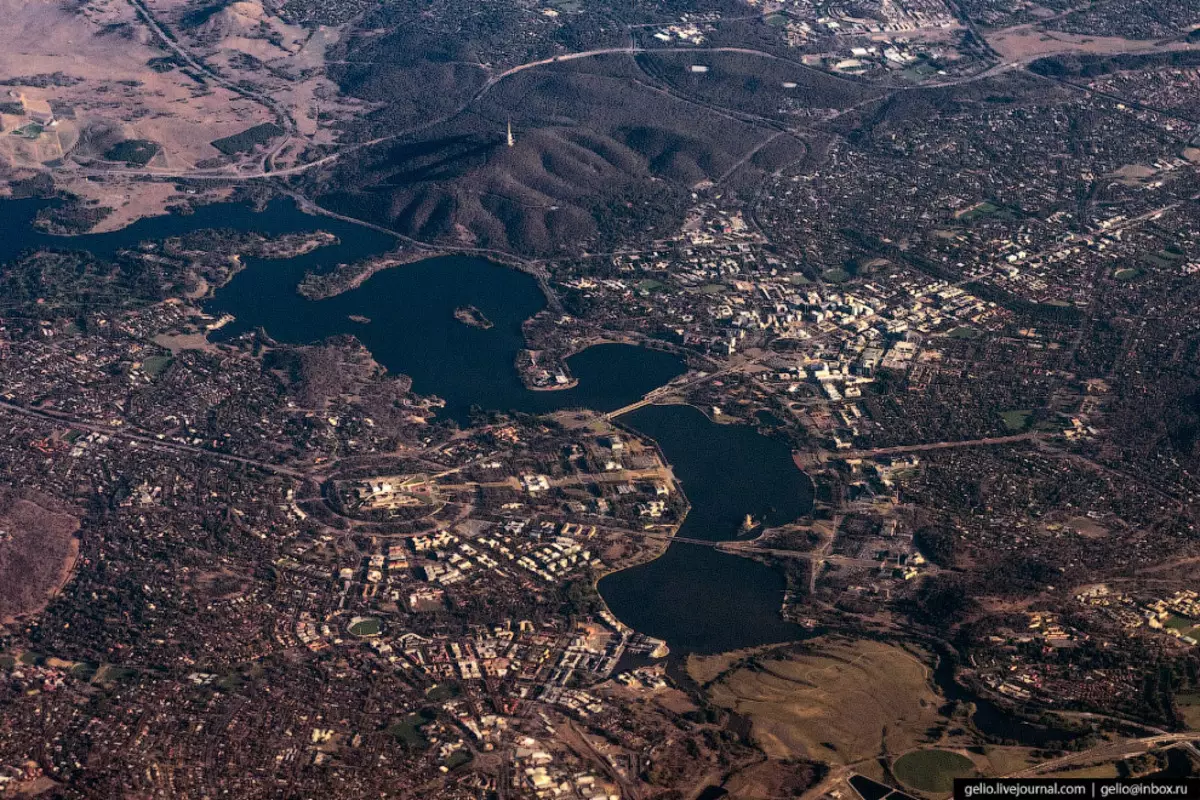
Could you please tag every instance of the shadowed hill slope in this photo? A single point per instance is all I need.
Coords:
(601, 153)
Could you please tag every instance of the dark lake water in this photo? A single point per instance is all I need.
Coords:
(413, 331)
(694, 597)
(411, 308)
(281, 216)
(697, 598)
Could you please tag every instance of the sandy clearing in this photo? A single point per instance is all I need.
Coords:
(130, 201)
(1027, 42)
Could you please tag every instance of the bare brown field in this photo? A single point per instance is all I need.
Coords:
(705, 669)
(38, 549)
(129, 200)
(1003, 760)
(1090, 771)
(91, 67)
(843, 702)
(245, 33)
(101, 62)
(771, 779)
(1026, 42)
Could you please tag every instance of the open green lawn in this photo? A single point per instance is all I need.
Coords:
(919, 71)
(230, 682)
(1188, 705)
(408, 730)
(154, 365)
(110, 673)
(1017, 419)
(1184, 625)
(835, 275)
(982, 210)
(367, 626)
(1163, 259)
(932, 771)
(441, 692)
(84, 670)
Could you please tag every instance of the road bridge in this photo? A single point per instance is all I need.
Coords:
(675, 387)
(652, 397)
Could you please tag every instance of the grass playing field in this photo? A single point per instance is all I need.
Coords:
(932, 771)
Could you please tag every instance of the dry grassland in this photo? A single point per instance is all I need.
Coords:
(842, 703)
(37, 552)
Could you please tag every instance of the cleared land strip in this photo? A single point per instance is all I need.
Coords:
(917, 448)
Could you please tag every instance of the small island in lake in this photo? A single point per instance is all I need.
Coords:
(359, 318)
(470, 315)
